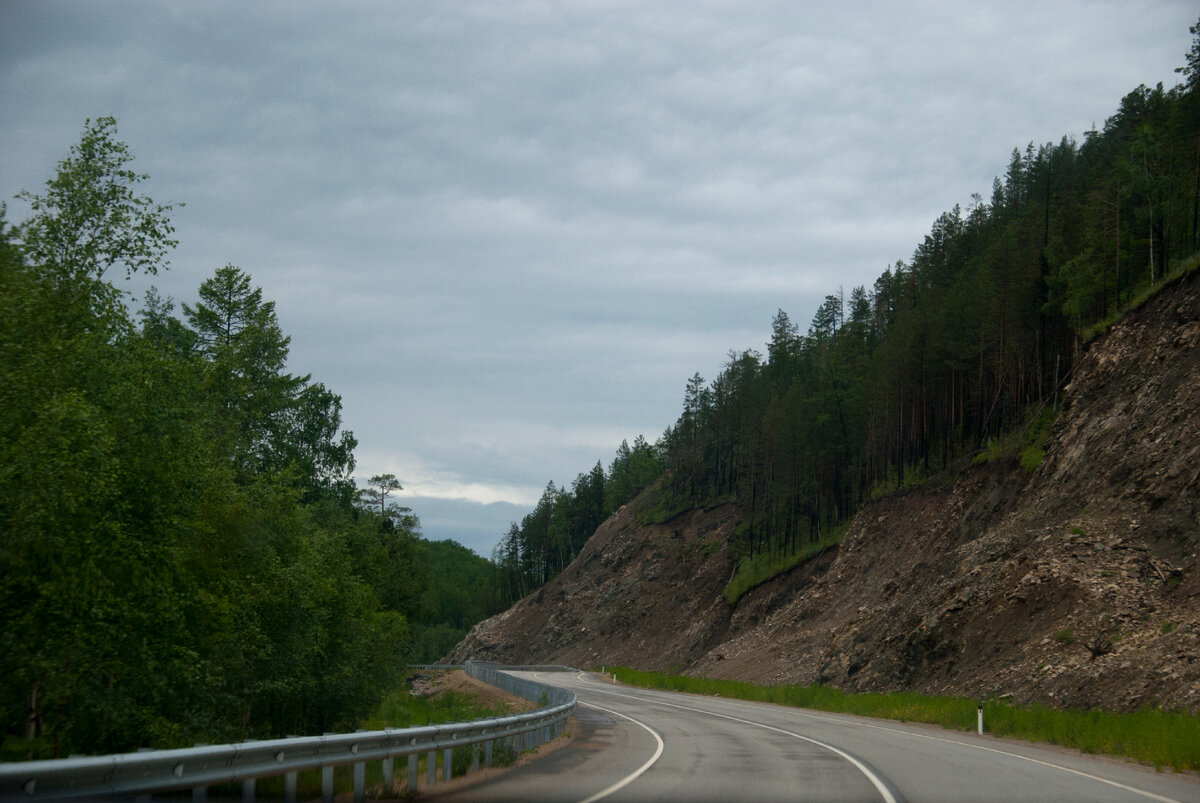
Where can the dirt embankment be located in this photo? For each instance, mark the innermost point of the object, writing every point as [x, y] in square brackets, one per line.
[1077, 586]
[436, 684]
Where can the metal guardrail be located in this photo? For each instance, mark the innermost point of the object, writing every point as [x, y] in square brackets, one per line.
[494, 675]
[144, 773]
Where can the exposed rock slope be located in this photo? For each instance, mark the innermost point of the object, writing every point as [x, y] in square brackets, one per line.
[1079, 585]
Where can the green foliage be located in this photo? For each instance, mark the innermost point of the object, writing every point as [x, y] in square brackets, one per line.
[1032, 449]
[664, 506]
[403, 709]
[90, 218]
[1025, 445]
[460, 593]
[960, 351]
[899, 480]
[549, 538]
[181, 561]
[1065, 636]
[399, 708]
[997, 449]
[1141, 295]
[756, 570]
[503, 754]
[1152, 736]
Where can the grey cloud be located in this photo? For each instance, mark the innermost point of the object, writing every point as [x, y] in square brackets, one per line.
[507, 233]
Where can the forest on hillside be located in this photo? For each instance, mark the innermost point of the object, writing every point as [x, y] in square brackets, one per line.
[958, 351]
[185, 554]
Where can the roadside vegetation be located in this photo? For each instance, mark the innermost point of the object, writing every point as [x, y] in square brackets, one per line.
[1143, 294]
[186, 556]
[400, 708]
[1151, 736]
[756, 570]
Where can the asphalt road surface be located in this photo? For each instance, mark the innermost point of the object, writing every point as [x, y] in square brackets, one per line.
[639, 745]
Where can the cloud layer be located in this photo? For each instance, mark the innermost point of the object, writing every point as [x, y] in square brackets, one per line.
[507, 233]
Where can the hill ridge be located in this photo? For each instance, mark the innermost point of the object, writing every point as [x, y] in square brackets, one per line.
[1077, 585]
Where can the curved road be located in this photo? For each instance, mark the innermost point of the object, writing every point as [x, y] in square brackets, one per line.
[640, 745]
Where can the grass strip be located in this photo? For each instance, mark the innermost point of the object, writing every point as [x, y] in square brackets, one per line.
[400, 708]
[1150, 735]
[764, 566]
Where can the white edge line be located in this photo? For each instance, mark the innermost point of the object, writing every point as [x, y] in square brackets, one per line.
[633, 776]
[875, 780]
[803, 712]
[1051, 765]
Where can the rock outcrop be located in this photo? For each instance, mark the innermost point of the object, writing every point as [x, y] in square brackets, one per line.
[1078, 585]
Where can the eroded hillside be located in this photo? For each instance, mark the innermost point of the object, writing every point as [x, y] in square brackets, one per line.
[1077, 585]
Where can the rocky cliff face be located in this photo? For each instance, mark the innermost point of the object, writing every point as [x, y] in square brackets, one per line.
[1078, 585]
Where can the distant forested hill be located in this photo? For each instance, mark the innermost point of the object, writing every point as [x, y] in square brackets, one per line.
[459, 594]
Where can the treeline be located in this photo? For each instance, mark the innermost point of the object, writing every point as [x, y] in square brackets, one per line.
[549, 538]
[967, 340]
[185, 556]
[459, 593]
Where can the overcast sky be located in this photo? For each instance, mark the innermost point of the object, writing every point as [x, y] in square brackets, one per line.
[508, 233]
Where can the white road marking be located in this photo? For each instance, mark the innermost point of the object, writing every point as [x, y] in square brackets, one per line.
[801, 712]
[633, 776]
[875, 780]
[1088, 775]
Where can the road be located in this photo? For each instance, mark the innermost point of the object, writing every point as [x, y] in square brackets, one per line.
[640, 745]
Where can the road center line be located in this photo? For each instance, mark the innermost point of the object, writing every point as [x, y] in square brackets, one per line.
[1081, 773]
[633, 776]
[802, 712]
[876, 781]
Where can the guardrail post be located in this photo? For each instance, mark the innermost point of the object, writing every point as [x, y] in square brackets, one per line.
[327, 784]
[198, 767]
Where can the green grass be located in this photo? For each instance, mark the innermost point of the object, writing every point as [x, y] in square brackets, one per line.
[1152, 736]
[399, 709]
[1025, 444]
[914, 477]
[765, 565]
[1141, 294]
[1032, 448]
